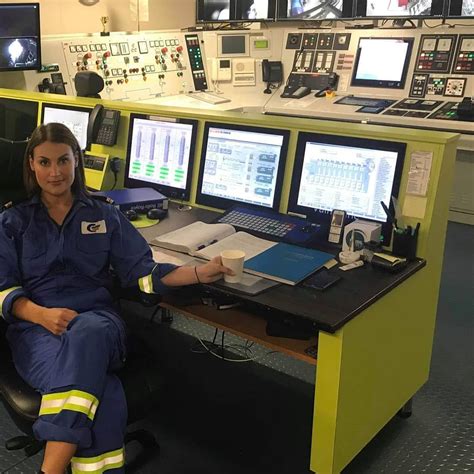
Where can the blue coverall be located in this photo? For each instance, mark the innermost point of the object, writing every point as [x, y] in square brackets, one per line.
[68, 266]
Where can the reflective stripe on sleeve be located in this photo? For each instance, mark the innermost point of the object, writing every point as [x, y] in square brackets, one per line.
[3, 296]
[146, 284]
[98, 464]
[74, 400]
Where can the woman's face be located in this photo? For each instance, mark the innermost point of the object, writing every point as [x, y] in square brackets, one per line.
[54, 165]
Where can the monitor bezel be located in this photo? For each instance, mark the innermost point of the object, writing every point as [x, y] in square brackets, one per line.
[324, 217]
[38, 24]
[385, 84]
[282, 17]
[224, 203]
[73, 108]
[169, 191]
[362, 5]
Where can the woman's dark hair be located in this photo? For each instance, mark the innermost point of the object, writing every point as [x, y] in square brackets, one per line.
[55, 133]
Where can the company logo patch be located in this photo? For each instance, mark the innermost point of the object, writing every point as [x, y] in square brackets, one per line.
[98, 227]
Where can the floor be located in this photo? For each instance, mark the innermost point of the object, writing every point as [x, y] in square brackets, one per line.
[218, 417]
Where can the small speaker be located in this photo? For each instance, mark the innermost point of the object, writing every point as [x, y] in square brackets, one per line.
[360, 232]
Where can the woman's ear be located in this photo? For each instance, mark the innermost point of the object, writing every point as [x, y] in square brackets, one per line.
[31, 162]
[76, 160]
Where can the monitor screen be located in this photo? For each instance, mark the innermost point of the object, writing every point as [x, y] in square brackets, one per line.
[75, 118]
[461, 8]
[382, 62]
[18, 118]
[241, 164]
[347, 173]
[213, 10]
[20, 46]
[160, 154]
[254, 10]
[399, 8]
[314, 9]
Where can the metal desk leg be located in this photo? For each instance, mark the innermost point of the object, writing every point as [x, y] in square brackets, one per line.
[406, 410]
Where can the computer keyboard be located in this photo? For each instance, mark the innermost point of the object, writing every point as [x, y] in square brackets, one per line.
[270, 225]
[209, 98]
[261, 224]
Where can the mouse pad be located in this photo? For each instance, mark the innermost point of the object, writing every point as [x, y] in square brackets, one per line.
[142, 221]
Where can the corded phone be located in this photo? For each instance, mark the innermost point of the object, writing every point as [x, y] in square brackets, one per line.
[103, 126]
[466, 108]
[272, 71]
[300, 85]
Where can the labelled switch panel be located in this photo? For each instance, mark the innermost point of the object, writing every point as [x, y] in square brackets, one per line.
[436, 85]
[303, 61]
[418, 85]
[464, 59]
[435, 53]
[309, 40]
[293, 41]
[325, 41]
[196, 62]
[455, 86]
[324, 61]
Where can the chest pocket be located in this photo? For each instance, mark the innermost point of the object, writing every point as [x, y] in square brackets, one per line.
[93, 243]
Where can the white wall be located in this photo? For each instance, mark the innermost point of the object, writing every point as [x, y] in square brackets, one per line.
[70, 16]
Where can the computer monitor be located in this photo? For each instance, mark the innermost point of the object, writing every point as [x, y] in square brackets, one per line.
[75, 118]
[20, 45]
[18, 118]
[399, 8]
[241, 164]
[461, 8]
[314, 9]
[382, 62]
[347, 173]
[255, 10]
[160, 154]
[213, 11]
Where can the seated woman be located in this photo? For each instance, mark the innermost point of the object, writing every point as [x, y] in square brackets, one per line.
[67, 338]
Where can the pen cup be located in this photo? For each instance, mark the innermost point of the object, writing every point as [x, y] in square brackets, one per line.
[233, 259]
[404, 243]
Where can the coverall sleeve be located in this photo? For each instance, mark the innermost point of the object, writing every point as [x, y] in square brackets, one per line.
[132, 259]
[10, 276]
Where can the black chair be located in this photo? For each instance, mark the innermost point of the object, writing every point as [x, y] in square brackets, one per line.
[11, 164]
[88, 84]
[140, 378]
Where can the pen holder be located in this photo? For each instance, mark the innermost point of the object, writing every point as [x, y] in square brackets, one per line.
[404, 243]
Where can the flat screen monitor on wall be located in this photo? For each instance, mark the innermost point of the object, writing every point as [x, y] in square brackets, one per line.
[75, 118]
[314, 9]
[20, 45]
[347, 173]
[241, 164]
[382, 62]
[160, 154]
[235, 10]
[461, 8]
[399, 8]
[18, 118]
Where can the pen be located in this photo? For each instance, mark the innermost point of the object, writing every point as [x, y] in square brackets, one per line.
[207, 245]
[390, 216]
[417, 228]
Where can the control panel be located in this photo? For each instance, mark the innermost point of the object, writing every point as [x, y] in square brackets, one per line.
[464, 60]
[196, 62]
[435, 53]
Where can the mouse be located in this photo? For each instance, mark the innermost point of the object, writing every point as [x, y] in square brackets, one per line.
[155, 213]
[321, 93]
[131, 215]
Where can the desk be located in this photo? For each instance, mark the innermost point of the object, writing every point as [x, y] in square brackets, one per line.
[368, 366]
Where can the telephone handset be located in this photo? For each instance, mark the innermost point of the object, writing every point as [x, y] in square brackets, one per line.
[295, 92]
[103, 126]
[466, 108]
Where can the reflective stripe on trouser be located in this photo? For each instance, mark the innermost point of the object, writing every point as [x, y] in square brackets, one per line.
[73, 400]
[98, 464]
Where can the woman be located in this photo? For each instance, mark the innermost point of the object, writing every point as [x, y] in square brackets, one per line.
[56, 250]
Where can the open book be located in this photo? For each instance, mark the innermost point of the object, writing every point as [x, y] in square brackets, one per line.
[209, 240]
[276, 261]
